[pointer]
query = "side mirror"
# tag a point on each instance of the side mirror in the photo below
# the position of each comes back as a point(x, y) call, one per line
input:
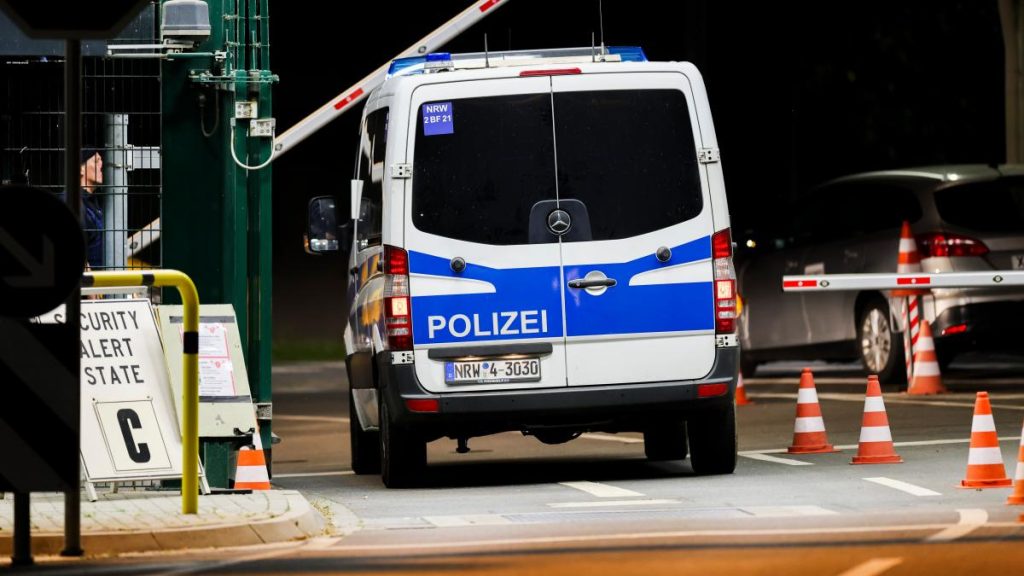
point(357, 198)
point(322, 231)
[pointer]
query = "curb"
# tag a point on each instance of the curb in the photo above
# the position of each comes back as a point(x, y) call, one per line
point(301, 521)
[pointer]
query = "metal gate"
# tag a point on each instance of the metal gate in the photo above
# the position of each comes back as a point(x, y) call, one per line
point(121, 120)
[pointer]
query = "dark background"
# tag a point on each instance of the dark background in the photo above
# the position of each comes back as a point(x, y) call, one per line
point(801, 92)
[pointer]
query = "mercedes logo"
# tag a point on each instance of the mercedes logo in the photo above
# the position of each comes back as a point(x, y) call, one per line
point(559, 222)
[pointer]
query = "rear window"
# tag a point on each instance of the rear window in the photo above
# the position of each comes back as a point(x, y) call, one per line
point(629, 156)
point(481, 166)
point(484, 167)
point(987, 207)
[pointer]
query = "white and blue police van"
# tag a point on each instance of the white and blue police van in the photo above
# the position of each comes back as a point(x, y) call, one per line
point(538, 242)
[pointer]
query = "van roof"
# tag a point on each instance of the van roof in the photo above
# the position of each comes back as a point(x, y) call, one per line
point(444, 61)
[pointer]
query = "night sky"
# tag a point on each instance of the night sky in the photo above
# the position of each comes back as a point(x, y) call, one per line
point(801, 92)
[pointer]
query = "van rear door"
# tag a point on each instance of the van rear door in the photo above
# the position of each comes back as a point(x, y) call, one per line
point(483, 158)
point(630, 181)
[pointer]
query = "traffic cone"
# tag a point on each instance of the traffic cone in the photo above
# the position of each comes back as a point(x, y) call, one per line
point(908, 261)
point(984, 462)
point(809, 429)
point(927, 378)
point(1018, 479)
point(741, 393)
point(875, 438)
point(251, 473)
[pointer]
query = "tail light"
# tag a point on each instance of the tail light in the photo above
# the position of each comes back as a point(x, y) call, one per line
point(942, 244)
point(725, 283)
point(397, 309)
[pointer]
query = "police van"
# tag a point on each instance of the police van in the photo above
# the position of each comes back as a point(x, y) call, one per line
point(538, 242)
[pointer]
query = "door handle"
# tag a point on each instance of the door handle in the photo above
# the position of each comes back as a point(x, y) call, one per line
point(592, 283)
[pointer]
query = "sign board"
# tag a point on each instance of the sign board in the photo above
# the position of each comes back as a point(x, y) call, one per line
point(225, 402)
point(42, 254)
point(129, 428)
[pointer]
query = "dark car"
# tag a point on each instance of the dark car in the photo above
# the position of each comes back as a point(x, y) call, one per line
point(964, 218)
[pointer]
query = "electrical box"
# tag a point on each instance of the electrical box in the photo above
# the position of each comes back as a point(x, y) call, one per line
point(245, 109)
point(262, 128)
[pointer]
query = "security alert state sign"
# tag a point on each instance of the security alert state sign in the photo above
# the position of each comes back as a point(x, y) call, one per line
point(129, 427)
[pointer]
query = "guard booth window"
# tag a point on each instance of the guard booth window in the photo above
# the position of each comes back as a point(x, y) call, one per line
point(372, 148)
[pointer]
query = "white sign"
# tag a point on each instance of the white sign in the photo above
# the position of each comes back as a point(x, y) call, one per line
point(216, 377)
point(129, 427)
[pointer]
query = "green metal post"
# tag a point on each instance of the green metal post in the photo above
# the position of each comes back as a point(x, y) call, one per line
point(216, 223)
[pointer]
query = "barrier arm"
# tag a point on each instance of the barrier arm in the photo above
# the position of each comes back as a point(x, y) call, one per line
point(190, 364)
point(841, 282)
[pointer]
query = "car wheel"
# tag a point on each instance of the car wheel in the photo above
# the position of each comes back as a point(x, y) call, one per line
point(403, 455)
point(712, 438)
point(666, 441)
point(881, 347)
point(365, 445)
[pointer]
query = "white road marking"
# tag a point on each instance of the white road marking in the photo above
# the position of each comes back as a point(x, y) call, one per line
point(767, 458)
point(612, 438)
point(903, 486)
point(340, 419)
point(872, 567)
point(635, 536)
point(601, 490)
point(970, 520)
point(787, 511)
point(314, 474)
point(467, 520)
point(610, 503)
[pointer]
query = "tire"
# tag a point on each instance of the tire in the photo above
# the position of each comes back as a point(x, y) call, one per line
point(666, 441)
point(403, 455)
point(881, 348)
point(365, 445)
point(712, 438)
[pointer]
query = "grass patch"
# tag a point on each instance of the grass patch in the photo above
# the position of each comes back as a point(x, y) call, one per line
point(296, 350)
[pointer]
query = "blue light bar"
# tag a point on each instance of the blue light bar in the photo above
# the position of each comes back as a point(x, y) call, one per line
point(628, 53)
point(417, 64)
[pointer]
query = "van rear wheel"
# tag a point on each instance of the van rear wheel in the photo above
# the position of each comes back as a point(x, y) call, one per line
point(666, 441)
point(403, 454)
point(712, 436)
point(365, 445)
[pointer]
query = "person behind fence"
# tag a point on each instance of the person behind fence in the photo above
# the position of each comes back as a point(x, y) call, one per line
point(90, 178)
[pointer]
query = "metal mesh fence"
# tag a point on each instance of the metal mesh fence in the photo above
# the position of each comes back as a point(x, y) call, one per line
point(121, 123)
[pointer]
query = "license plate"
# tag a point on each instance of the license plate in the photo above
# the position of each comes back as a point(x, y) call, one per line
point(1017, 261)
point(492, 371)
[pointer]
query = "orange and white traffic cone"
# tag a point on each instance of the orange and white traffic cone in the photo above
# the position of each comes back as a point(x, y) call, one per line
point(809, 435)
point(927, 377)
point(1018, 479)
point(876, 445)
point(741, 393)
point(251, 473)
point(984, 461)
point(909, 262)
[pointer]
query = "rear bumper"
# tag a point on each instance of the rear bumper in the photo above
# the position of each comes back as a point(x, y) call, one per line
point(613, 408)
point(989, 326)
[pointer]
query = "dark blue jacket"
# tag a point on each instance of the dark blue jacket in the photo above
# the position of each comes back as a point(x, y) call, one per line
point(92, 224)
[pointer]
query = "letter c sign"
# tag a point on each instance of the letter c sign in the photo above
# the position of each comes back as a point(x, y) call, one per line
point(128, 420)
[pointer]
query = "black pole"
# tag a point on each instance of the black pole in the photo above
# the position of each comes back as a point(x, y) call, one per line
point(72, 193)
point(22, 530)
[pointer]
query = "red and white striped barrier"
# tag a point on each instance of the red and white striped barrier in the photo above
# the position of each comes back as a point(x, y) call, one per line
point(888, 281)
